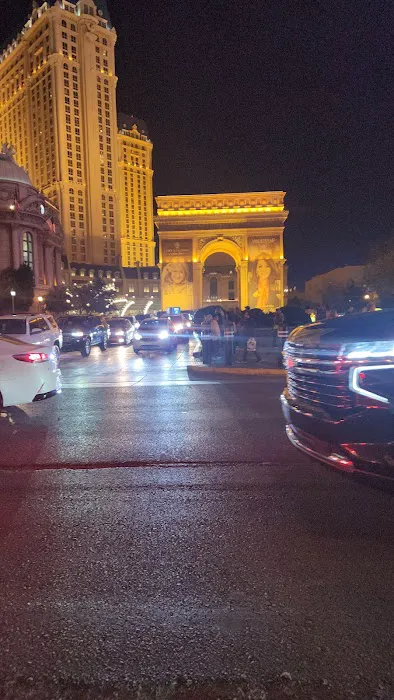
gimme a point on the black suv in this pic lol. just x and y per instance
(81, 332)
(339, 400)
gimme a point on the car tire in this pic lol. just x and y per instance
(85, 352)
(103, 345)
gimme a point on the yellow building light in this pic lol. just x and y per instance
(202, 212)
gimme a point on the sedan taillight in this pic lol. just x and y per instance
(32, 357)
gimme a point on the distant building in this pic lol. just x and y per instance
(318, 288)
(30, 230)
(138, 286)
(136, 192)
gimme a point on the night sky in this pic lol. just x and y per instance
(254, 95)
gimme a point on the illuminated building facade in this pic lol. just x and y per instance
(58, 109)
(136, 193)
(224, 248)
(30, 230)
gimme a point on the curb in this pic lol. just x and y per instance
(241, 371)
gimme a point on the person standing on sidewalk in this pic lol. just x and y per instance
(248, 335)
(279, 321)
(215, 335)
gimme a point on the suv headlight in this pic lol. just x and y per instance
(163, 335)
(375, 382)
(363, 351)
(77, 334)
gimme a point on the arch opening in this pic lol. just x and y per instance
(220, 280)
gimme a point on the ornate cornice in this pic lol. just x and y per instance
(213, 204)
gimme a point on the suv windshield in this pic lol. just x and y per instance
(74, 322)
(12, 326)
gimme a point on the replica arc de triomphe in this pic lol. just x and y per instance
(236, 237)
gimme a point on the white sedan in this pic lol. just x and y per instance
(38, 329)
(27, 372)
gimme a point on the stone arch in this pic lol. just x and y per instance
(222, 245)
(231, 248)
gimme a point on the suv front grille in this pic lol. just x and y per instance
(318, 377)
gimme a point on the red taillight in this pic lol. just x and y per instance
(32, 357)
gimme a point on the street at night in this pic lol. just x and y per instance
(198, 548)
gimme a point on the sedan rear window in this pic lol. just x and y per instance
(12, 326)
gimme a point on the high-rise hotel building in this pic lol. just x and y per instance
(136, 192)
(58, 109)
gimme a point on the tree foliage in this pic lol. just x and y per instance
(95, 297)
(380, 271)
(57, 300)
(21, 281)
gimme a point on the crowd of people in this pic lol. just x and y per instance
(240, 325)
(243, 327)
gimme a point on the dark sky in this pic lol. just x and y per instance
(254, 95)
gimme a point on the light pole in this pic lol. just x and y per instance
(13, 295)
(40, 300)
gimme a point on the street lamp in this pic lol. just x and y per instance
(13, 295)
(40, 300)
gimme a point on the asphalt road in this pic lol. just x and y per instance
(199, 555)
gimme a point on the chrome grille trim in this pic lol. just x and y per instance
(318, 377)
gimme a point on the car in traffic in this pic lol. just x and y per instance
(120, 331)
(155, 334)
(82, 333)
(141, 317)
(37, 329)
(182, 326)
(339, 399)
(133, 320)
(28, 372)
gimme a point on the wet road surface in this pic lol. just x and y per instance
(215, 551)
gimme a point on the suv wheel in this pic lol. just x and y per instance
(104, 343)
(85, 352)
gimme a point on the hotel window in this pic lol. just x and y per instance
(27, 249)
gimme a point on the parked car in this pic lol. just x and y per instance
(27, 372)
(82, 332)
(37, 329)
(120, 331)
(339, 400)
(155, 334)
